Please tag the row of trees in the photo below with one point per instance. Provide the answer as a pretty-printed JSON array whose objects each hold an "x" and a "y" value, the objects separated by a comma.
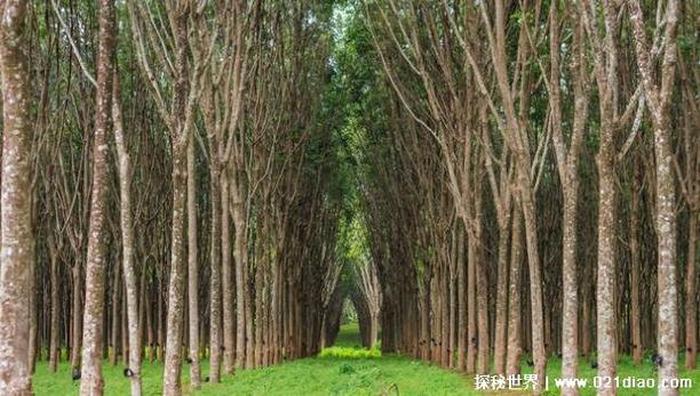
[
  {"x": 166, "y": 186},
  {"x": 553, "y": 157}
]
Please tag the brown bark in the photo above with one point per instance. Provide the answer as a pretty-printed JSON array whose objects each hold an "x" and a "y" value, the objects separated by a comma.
[
  {"x": 605, "y": 298},
  {"x": 500, "y": 343},
  {"x": 691, "y": 307},
  {"x": 635, "y": 302},
  {"x": 77, "y": 317},
  {"x": 91, "y": 372},
  {"x": 240, "y": 253},
  {"x": 567, "y": 160},
  {"x": 227, "y": 281},
  {"x": 192, "y": 268},
  {"x": 659, "y": 97},
  {"x": 54, "y": 347},
  {"x": 115, "y": 316},
  {"x": 514, "y": 285},
  {"x": 461, "y": 301},
  {"x": 483, "y": 347},
  {"x": 17, "y": 241},
  {"x": 127, "y": 228},
  {"x": 215, "y": 287},
  {"x": 471, "y": 305},
  {"x": 173, "y": 344}
]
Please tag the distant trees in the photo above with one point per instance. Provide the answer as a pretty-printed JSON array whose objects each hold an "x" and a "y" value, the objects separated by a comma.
[
  {"x": 512, "y": 104},
  {"x": 243, "y": 172}
]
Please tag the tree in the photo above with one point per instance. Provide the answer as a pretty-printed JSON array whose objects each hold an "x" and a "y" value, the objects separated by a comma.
[
  {"x": 16, "y": 239},
  {"x": 659, "y": 99},
  {"x": 93, "y": 328}
]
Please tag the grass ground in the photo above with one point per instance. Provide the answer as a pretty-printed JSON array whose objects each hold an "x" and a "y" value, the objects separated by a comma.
[{"x": 345, "y": 369}]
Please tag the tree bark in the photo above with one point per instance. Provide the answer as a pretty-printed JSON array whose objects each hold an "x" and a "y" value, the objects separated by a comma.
[
  {"x": 240, "y": 254},
  {"x": 173, "y": 343},
  {"x": 77, "y": 318},
  {"x": 215, "y": 291},
  {"x": 54, "y": 347},
  {"x": 635, "y": 302},
  {"x": 91, "y": 382},
  {"x": 227, "y": 281},
  {"x": 514, "y": 315},
  {"x": 17, "y": 240},
  {"x": 691, "y": 307},
  {"x": 127, "y": 227},
  {"x": 192, "y": 268},
  {"x": 659, "y": 97}
]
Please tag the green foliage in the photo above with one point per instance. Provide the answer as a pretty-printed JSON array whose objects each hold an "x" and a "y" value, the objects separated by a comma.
[
  {"x": 349, "y": 314},
  {"x": 350, "y": 353}
]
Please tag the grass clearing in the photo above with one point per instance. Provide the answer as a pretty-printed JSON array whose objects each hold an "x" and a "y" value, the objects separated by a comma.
[{"x": 344, "y": 369}]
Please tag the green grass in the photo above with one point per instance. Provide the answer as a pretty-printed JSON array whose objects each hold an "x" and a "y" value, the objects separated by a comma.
[
  {"x": 349, "y": 336},
  {"x": 625, "y": 368},
  {"x": 344, "y": 369}
]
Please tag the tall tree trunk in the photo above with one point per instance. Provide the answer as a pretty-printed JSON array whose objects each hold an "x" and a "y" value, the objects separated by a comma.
[
  {"x": 635, "y": 302},
  {"x": 227, "y": 281},
  {"x": 240, "y": 253},
  {"x": 691, "y": 307},
  {"x": 91, "y": 382},
  {"x": 192, "y": 267},
  {"x": 181, "y": 122},
  {"x": 216, "y": 291},
  {"x": 605, "y": 295},
  {"x": 461, "y": 301},
  {"x": 127, "y": 227},
  {"x": 77, "y": 318},
  {"x": 17, "y": 241},
  {"x": 173, "y": 343},
  {"x": 666, "y": 238},
  {"x": 659, "y": 97},
  {"x": 33, "y": 330},
  {"x": 481, "y": 285},
  {"x": 514, "y": 315},
  {"x": 54, "y": 347},
  {"x": 471, "y": 304},
  {"x": 115, "y": 316},
  {"x": 501, "y": 301}
]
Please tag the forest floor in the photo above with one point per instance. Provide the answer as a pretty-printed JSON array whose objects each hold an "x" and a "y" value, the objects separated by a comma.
[{"x": 344, "y": 369}]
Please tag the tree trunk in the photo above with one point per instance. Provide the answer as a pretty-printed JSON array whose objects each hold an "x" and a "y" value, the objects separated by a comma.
[
  {"x": 127, "y": 227},
  {"x": 17, "y": 241},
  {"x": 461, "y": 301},
  {"x": 569, "y": 334},
  {"x": 514, "y": 315},
  {"x": 605, "y": 296},
  {"x": 501, "y": 301},
  {"x": 635, "y": 303},
  {"x": 481, "y": 286},
  {"x": 173, "y": 343},
  {"x": 227, "y": 284},
  {"x": 77, "y": 318},
  {"x": 240, "y": 253},
  {"x": 91, "y": 382},
  {"x": 691, "y": 307},
  {"x": 215, "y": 291},
  {"x": 471, "y": 305},
  {"x": 192, "y": 267},
  {"x": 659, "y": 97},
  {"x": 666, "y": 238},
  {"x": 116, "y": 316},
  {"x": 54, "y": 347}
]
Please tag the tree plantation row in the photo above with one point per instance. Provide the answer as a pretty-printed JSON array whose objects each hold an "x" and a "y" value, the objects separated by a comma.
[
  {"x": 490, "y": 184},
  {"x": 555, "y": 148}
]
